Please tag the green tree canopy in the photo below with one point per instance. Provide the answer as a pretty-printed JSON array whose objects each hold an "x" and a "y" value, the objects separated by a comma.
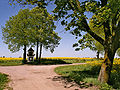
[
  {"x": 15, "y": 31},
  {"x": 29, "y": 27},
  {"x": 42, "y": 29}
]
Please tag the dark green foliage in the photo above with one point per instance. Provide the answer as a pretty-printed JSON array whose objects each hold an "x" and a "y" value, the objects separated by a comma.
[
  {"x": 52, "y": 62},
  {"x": 115, "y": 76},
  {"x": 3, "y": 81},
  {"x": 47, "y": 62},
  {"x": 24, "y": 61}
]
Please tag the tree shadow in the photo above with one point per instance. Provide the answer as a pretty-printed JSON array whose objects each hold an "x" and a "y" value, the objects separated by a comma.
[
  {"x": 76, "y": 78},
  {"x": 115, "y": 77},
  {"x": 47, "y": 62}
]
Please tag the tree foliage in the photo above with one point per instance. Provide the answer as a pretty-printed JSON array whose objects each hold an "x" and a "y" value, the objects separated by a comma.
[
  {"x": 42, "y": 28},
  {"x": 29, "y": 27},
  {"x": 15, "y": 32}
]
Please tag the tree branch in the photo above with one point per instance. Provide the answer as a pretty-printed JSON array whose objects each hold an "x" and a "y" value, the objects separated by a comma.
[
  {"x": 106, "y": 24},
  {"x": 86, "y": 26},
  {"x": 94, "y": 35}
]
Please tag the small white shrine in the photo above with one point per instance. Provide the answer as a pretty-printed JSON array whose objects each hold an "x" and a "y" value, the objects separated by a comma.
[{"x": 30, "y": 55}]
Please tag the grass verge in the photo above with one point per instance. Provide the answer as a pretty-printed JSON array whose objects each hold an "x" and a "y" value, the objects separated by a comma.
[
  {"x": 3, "y": 81},
  {"x": 86, "y": 76},
  {"x": 10, "y": 62}
]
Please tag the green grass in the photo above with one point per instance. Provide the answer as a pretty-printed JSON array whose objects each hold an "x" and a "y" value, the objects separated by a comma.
[
  {"x": 75, "y": 61},
  {"x": 61, "y": 61},
  {"x": 52, "y": 62},
  {"x": 10, "y": 62},
  {"x": 3, "y": 81},
  {"x": 87, "y": 74},
  {"x": 43, "y": 62}
]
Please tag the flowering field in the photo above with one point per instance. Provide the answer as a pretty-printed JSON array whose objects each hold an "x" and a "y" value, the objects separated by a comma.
[
  {"x": 10, "y": 59},
  {"x": 96, "y": 62}
]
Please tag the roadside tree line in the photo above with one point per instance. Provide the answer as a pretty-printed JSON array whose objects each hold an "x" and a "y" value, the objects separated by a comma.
[{"x": 31, "y": 28}]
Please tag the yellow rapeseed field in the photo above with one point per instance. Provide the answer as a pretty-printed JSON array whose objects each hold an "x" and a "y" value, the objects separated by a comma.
[
  {"x": 116, "y": 61},
  {"x": 11, "y": 58}
]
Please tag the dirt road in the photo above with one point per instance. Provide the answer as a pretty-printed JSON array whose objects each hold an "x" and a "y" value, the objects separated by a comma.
[{"x": 28, "y": 77}]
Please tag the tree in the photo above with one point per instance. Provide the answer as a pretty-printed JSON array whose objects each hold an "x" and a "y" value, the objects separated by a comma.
[
  {"x": 105, "y": 13},
  {"x": 15, "y": 32},
  {"x": 42, "y": 30},
  {"x": 89, "y": 41},
  {"x": 29, "y": 27}
]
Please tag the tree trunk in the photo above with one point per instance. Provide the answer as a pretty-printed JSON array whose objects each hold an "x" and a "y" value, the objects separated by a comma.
[
  {"x": 24, "y": 55},
  {"x": 106, "y": 67},
  {"x": 37, "y": 51},
  {"x": 98, "y": 53},
  {"x": 40, "y": 52}
]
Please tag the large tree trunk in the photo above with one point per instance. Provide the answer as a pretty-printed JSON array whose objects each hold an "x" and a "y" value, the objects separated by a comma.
[
  {"x": 37, "y": 51},
  {"x": 40, "y": 52},
  {"x": 98, "y": 53},
  {"x": 106, "y": 67}
]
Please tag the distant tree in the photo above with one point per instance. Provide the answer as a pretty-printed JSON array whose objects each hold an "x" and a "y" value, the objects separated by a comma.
[{"x": 15, "y": 32}]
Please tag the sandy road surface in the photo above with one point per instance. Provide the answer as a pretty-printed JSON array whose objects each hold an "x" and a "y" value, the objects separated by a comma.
[{"x": 28, "y": 77}]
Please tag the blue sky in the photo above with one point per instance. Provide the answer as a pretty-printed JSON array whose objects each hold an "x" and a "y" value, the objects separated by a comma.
[{"x": 65, "y": 48}]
